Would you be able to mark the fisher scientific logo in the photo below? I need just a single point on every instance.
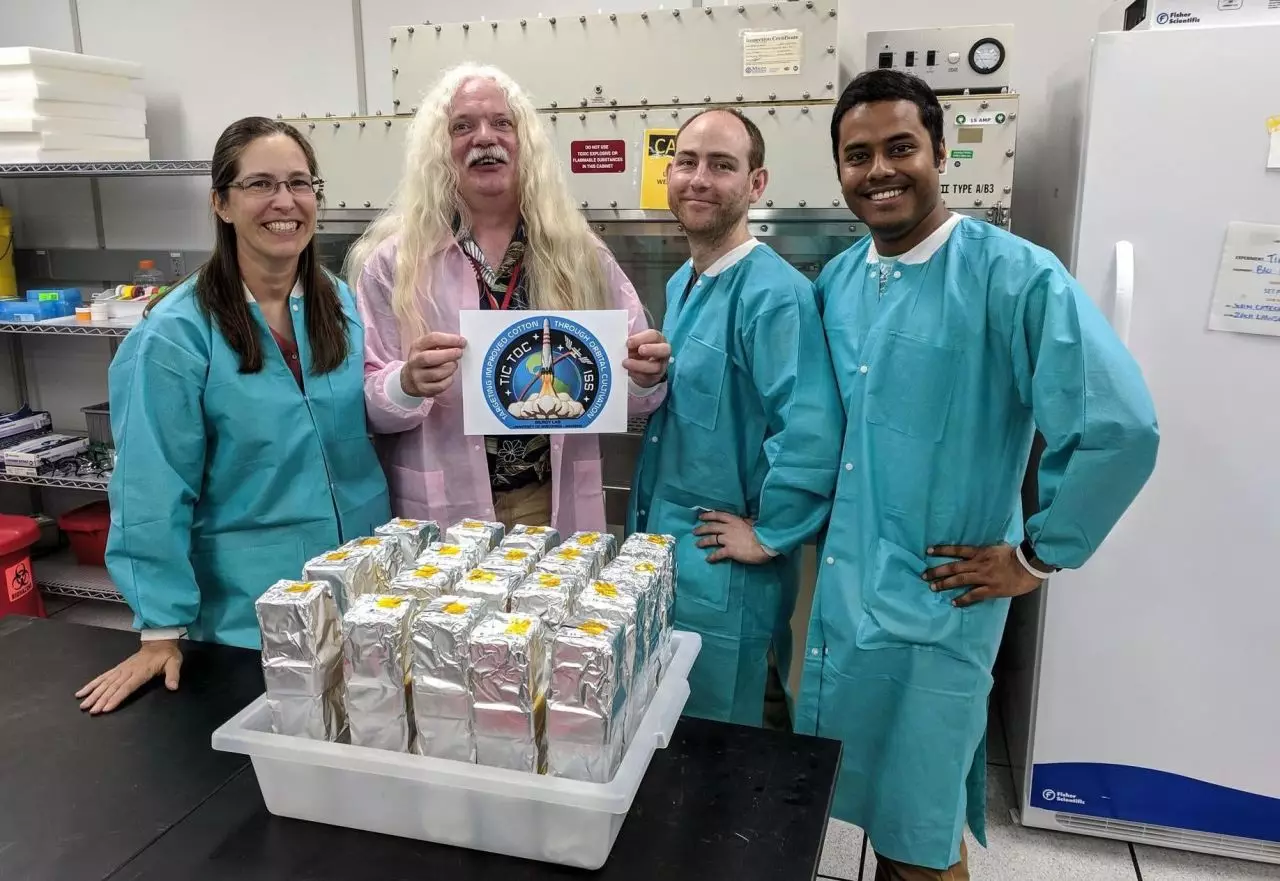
(1170, 18)
(546, 373)
(1066, 798)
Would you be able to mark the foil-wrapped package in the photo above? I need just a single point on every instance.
(478, 532)
(587, 700)
(602, 544)
(459, 558)
(510, 558)
(539, 539)
(425, 582)
(441, 635)
(302, 659)
(609, 602)
(413, 535)
(643, 578)
(659, 550)
(387, 553)
(349, 574)
(376, 667)
(569, 560)
(494, 587)
(546, 595)
(509, 675)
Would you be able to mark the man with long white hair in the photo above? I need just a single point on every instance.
(483, 219)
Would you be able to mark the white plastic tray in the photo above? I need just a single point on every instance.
(490, 809)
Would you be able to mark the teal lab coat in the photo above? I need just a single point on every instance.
(227, 482)
(943, 380)
(751, 426)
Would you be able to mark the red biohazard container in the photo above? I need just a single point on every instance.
(87, 529)
(18, 593)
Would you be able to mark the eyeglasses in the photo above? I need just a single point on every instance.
(265, 187)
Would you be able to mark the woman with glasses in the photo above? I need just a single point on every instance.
(237, 405)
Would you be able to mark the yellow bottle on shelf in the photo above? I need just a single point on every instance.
(8, 281)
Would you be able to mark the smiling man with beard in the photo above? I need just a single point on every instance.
(952, 341)
(483, 219)
(741, 461)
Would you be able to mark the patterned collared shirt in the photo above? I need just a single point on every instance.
(514, 460)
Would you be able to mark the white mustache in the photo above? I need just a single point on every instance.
(475, 154)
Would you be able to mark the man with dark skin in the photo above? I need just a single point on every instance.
(952, 341)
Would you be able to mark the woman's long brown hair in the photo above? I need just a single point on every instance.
(220, 288)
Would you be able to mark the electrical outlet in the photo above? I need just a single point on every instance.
(177, 265)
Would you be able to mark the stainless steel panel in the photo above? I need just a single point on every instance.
(950, 49)
(682, 56)
(360, 159)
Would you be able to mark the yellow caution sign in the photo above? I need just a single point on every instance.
(659, 150)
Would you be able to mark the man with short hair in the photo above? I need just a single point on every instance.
(952, 341)
(741, 461)
(483, 219)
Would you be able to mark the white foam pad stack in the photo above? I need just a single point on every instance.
(66, 107)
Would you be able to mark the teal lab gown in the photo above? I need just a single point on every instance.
(227, 482)
(943, 380)
(751, 426)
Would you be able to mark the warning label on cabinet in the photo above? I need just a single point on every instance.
(598, 157)
(659, 150)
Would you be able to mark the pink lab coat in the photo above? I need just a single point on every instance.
(434, 470)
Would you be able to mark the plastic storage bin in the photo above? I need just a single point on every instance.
(18, 593)
(87, 529)
(98, 420)
(490, 809)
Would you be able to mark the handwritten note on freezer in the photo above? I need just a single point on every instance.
(1247, 296)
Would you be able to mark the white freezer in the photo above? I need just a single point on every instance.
(1157, 711)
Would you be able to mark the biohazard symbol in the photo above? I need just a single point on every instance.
(18, 581)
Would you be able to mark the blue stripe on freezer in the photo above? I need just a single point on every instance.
(1140, 795)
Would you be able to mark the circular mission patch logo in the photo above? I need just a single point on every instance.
(546, 373)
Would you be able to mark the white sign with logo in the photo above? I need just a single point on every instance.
(1212, 13)
(530, 372)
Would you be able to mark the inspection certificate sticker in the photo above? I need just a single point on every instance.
(772, 53)
(543, 373)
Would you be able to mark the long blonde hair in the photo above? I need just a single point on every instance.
(562, 259)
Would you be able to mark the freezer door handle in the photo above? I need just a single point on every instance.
(1122, 307)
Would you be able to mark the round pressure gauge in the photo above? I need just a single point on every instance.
(987, 56)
